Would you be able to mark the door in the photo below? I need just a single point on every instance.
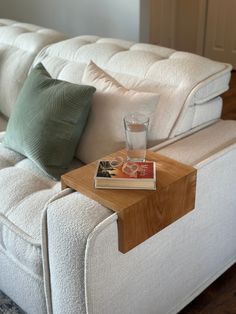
(178, 24)
(220, 41)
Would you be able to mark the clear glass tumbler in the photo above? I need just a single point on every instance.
(136, 128)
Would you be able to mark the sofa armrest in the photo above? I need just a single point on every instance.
(202, 145)
(88, 274)
(67, 222)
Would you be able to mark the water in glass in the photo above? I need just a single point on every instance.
(136, 126)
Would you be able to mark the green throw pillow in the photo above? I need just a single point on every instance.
(47, 120)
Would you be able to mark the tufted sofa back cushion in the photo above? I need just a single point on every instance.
(181, 79)
(19, 44)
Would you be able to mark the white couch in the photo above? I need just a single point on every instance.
(59, 249)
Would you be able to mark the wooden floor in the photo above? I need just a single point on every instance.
(220, 297)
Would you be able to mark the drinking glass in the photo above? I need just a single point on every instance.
(136, 128)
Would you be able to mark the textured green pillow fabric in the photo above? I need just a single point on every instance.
(47, 120)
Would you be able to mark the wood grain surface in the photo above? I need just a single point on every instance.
(141, 213)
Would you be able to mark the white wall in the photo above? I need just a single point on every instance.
(111, 18)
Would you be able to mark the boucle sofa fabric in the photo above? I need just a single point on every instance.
(19, 45)
(165, 272)
(67, 223)
(24, 191)
(183, 80)
(25, 288)
(222, 134)
(168, 270)
(75, 226)
(61, 248)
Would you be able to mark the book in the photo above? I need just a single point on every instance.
(126, 175)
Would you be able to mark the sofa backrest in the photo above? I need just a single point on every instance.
(183, 80)
(19, 44)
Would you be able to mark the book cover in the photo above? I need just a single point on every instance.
(127, 175)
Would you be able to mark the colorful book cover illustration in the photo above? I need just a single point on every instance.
(126, 170)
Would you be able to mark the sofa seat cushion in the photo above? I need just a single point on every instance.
(24, 191)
